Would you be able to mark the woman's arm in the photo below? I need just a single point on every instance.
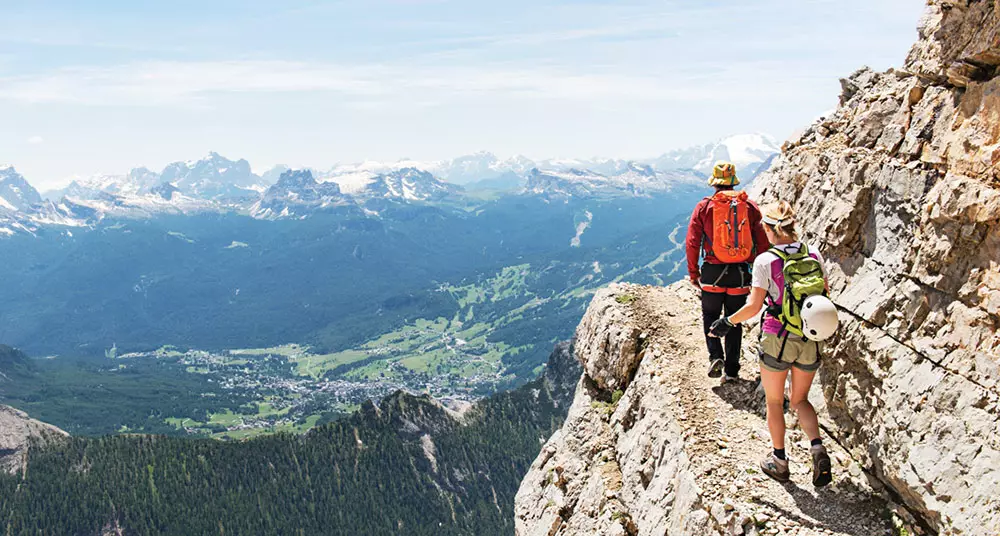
(754, 304)
(748, 311)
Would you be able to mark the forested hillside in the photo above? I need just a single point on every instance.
(407, 465)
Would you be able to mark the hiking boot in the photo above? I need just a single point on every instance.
(715, 369)
(729, 379)
(822, 474)
(775, 468)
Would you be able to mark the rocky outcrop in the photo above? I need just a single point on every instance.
(296, 194)
(900, 189)
(18, 433)
(608, 338)
(587, 472)
(650, 448)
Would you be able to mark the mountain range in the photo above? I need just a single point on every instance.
(354, 264)
(215, 183)
(747, 151)
(209, 300)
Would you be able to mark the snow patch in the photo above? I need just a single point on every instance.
(351, 183)
(580, 228)
(6, 205)
(181, 236)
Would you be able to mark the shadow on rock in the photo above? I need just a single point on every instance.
(820, 507)
(743, 395)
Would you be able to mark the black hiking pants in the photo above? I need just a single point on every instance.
(725, 288)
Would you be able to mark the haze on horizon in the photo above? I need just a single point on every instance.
(101, 87)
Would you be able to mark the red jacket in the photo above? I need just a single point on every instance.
(701, 219)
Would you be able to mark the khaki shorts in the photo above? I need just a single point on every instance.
(800, 353)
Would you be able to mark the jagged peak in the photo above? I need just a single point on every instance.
(296, 178)
(9, 172)
(411, 173)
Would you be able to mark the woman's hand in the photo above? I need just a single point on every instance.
(720, 328)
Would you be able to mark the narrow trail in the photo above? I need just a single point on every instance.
(726, 437)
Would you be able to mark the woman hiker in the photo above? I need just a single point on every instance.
(791, 332)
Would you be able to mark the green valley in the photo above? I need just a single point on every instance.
(458, 470)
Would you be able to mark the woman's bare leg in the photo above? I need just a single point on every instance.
(801, 382)
(774, 389)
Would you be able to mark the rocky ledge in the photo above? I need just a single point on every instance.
(655, 447)
(18, 433)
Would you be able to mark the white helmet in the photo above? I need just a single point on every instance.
(819, 318)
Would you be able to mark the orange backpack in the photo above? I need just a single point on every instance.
(730, 237)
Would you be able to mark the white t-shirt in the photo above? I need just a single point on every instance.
(763, 269)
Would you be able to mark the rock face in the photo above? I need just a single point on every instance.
(608, 340)
(297, 192)
(561, 374)
(651, 448)
(408, 184)
(588, 470)
(18, 433)
(900, 189)
(213, 177)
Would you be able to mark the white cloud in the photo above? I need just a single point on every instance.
(173, 83)
(35, 140)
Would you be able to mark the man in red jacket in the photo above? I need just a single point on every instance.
(726, 228)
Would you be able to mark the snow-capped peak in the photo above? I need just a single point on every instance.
(746, 151)
(295, 194)
(15, 192)
(750, 148)
(101, 181)
(213, 177)
(408, 184)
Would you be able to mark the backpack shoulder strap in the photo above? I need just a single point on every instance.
(803, 251)
(780, 253)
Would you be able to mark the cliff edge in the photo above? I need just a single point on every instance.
(900, 189)
(18, 433)
(652, 446)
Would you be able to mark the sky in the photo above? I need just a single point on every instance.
(103, 86)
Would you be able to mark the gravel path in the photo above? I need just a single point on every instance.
(727, 437)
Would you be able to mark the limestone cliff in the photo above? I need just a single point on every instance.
(651, 446)
(900, 189)
(17, 434)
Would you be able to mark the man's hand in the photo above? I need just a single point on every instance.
(720, 328)
(695, 283)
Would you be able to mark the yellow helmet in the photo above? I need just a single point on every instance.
(724, 174)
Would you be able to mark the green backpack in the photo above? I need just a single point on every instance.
(803, 278)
